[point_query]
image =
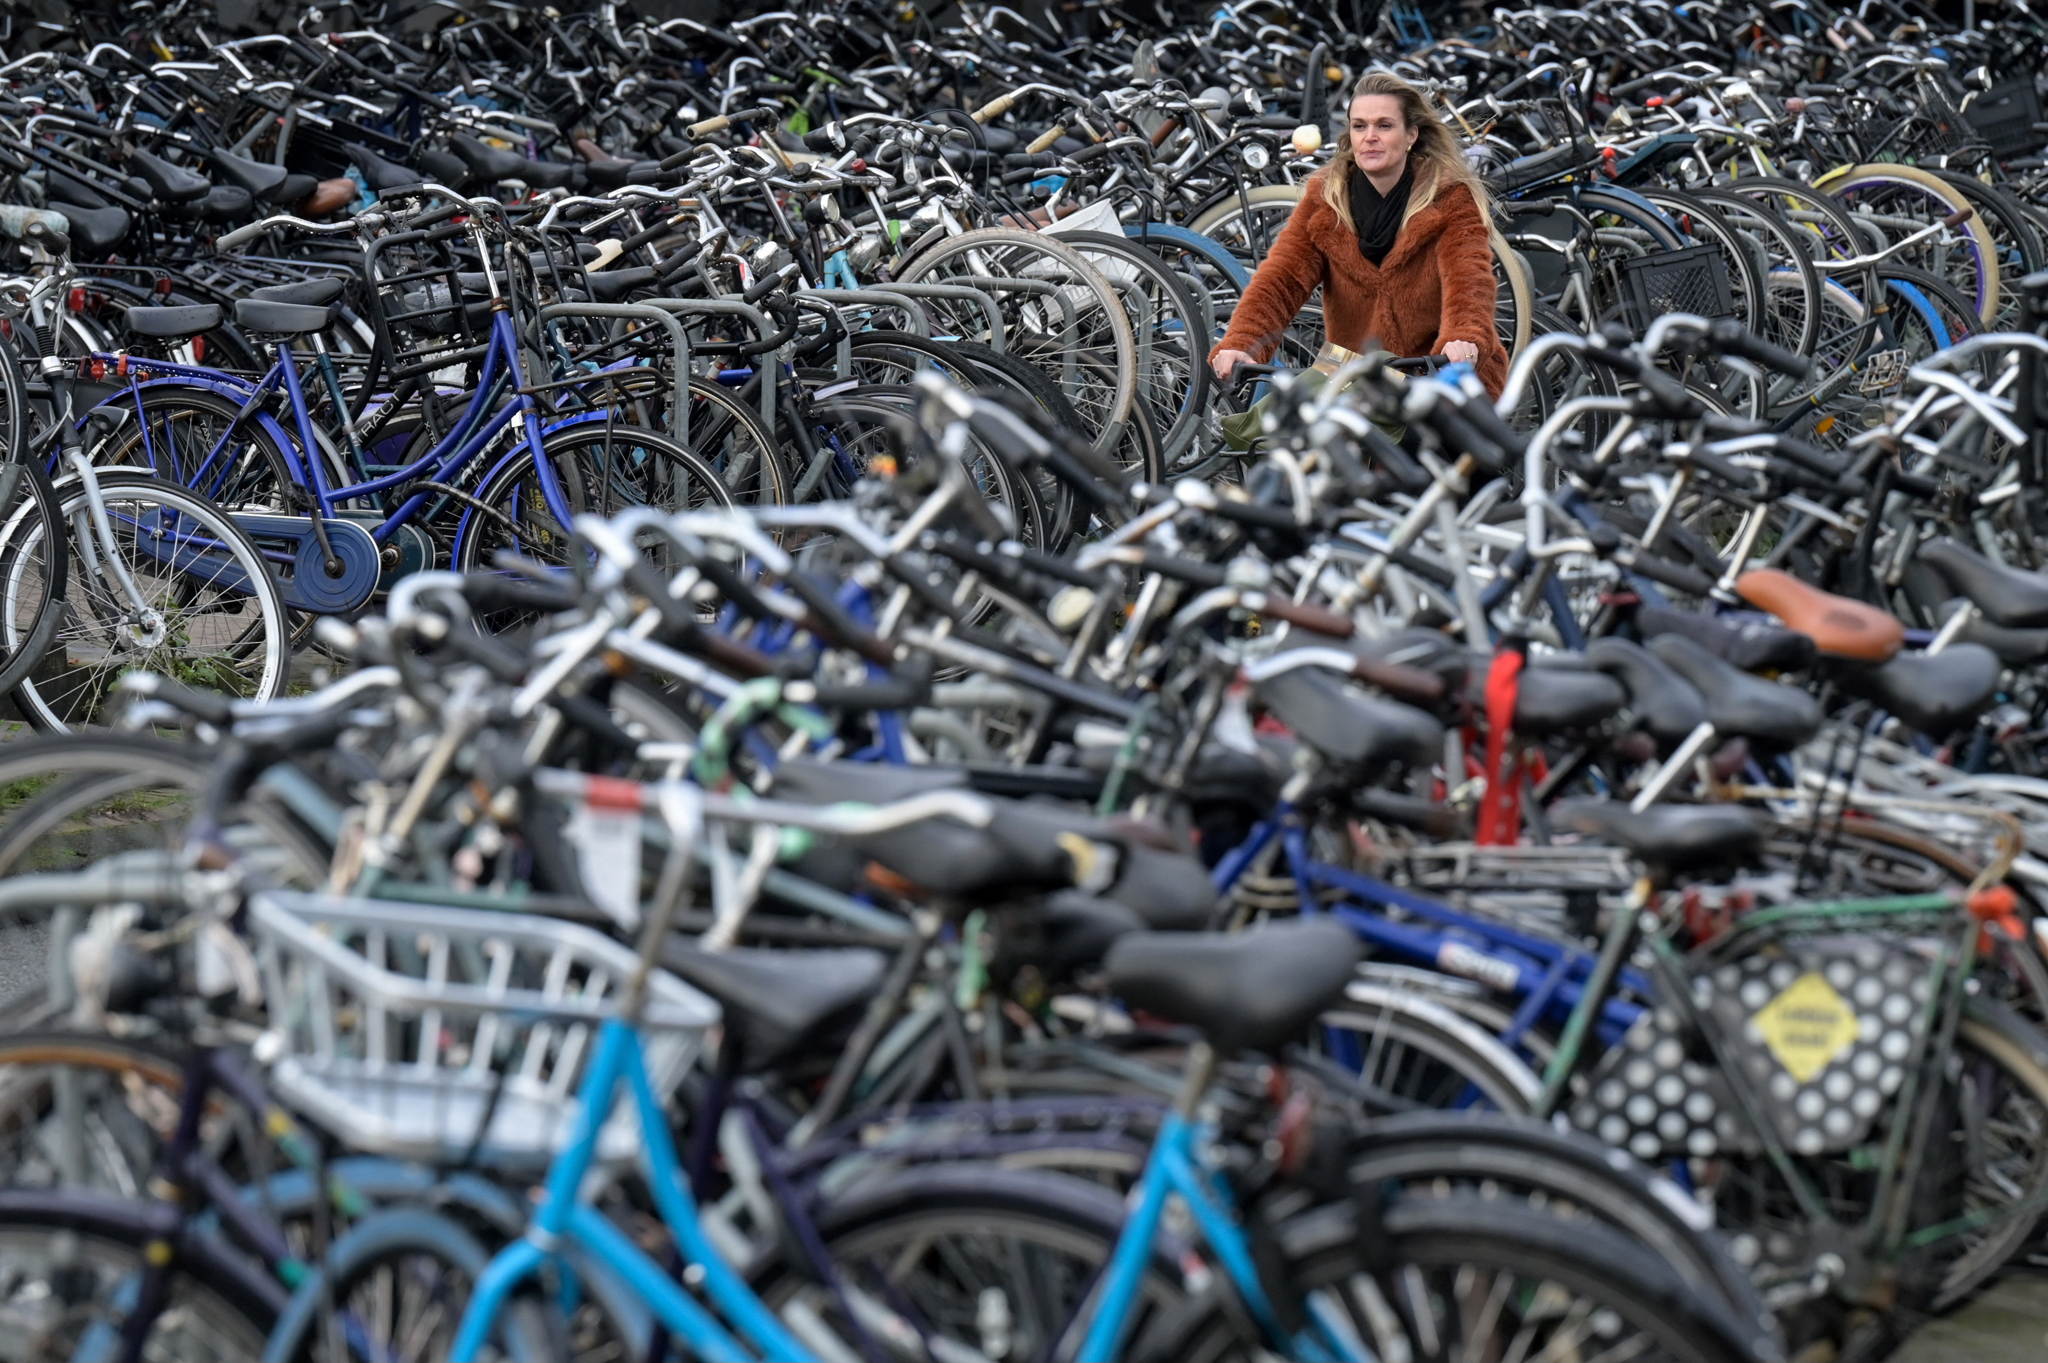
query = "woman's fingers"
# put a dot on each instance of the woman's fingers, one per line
(1461, 352)
(1226, 361)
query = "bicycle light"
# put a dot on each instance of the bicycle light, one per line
(1307, 140)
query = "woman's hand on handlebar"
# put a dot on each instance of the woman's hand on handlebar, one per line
(1224, 361)
(1461, 352)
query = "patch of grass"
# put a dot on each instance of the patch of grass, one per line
(16, 791)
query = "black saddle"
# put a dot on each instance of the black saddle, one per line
(609, 286)
(168, 183)
(2011, 597)
(171, 324)
(1936, 693)
(1664, 704)
(95, 230)
(380, 174)
(612, 174)
(1244, 991)
(265, 182)
(262, 179)
(1739, 705)
(1752, 645)
(220, 203)
(1560, 697)
(801, 778)
(1347, 726)
(1670, 838)
(281, 319)
(780, 1003)
(491, 164)
(306, 293)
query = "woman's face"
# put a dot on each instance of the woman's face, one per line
(1380, 137)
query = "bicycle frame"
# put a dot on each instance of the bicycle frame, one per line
(563, 1216)
(1547, 978)
(471, 436)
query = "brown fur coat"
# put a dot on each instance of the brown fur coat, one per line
(1434, 287)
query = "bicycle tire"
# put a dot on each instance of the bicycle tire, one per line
(241, 573)
(1424, 1244)
(1102, 413)
(1984, 294)
(26, 494)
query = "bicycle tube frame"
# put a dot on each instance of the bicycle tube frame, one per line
(563, 1215)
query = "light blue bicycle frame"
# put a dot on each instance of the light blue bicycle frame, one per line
(563, 1215)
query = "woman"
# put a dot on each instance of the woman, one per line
(1394, 230)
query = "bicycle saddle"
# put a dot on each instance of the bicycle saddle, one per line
(1838, 626)
(221, 203)
(1244, 991)
(1665, 705)
(1346, 725)
(305, 293)
(171, 324)
(1669, 838)
(778, 1005)
(2015, 647)
(260, 178)
(610, 174)
(1739, 705)
(95, 230)
(379, 174)
(1751, 645)
(267, 183)
(281, 319)
(1556, 697)
(491, 164)
(2011, 597)
(827, 783)
(170, 184)
(1936, 693)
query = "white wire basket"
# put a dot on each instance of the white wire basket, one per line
(430, 1033)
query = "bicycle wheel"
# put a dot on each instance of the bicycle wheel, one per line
(29, 619)
(1077, 330)
(1419, 1051)
(602, 469)
(68, 1264)
(967, 1253)
(169, 583)
(1900, 200)
(190, 437)
(395, 1285)
(1469, 1278)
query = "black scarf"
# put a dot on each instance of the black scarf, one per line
(1378, 216)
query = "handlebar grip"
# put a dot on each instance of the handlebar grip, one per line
(229, 240)
(1960, 216)
(1315, 619)
(1094, 152)
(494, 591)
(762, 287)
(1466, 438)
(1021, 177)
(646, 235)
(894, 692)
(1676, 576)
(1915, 485)
(1830, 466)
(1399, 680)
(1254, 514)
(995, 108)
(720, 122)
(1044, 140)
(1735, 339)
(829, 620)
(209, 706)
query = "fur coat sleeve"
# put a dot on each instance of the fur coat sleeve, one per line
(1435, 286)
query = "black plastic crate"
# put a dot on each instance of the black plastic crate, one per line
(2005, 115)
(1684, 279)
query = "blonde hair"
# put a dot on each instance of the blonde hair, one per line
(1440, 161)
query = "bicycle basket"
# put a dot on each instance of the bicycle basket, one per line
(2004, 117)
(423, 1032)
(1684, 279)
(1817, 1027)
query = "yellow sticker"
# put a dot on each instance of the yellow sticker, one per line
(1807, 1026)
